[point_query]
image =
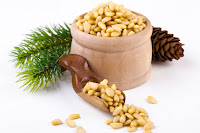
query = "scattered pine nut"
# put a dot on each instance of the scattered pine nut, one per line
(148, 126)
(116, 125)
(80, 129)
(147, 131)
(56, 122)
(151, 100)
(108, 122)
(70, 123)
(124, 115)
(131, 129)
(74, 116)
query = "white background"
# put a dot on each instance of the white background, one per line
(175, 85)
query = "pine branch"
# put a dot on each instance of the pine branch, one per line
(38, 56)
(39, 40)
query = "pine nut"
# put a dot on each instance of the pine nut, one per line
(117, 28)
(125, 22)
(116, 118)
(131, 25)
(115, 103)
(140, 20)
(111, 108)
(151, 99)
(134, 123)
(110, 92)
(121, 101)
(106, 35)
(87, 17)
(116, 98)
(78, 18)
(142, 114)
(110, 103)
(85, 90)
(131, 129)
(93, 85)
(119, 14)
(115, 34)
(111, 6)
(141, 122)
(98, 94)
(78, 24)
(121, 97)
(106, 19)
(74, 116)
(56, 122)
(97, 29)
(99, 34)
(118, 20)
(122, 119)
(131, 33)
(109, 14)
(86, 27)
(119, 104)
(146, 119)
(108, 122)
(104, 83)
(137, 116)
(121, 113)
(100, 11)
(131, 110)
(70, 123)
(127, 122)
(91, 92)
(103, 91)
(117, 111)
(102, 25)
(148, 126)
(129, 116)
(93, 33)
(80, 129)
(125, 108)
(81, 28)
(93, 27)
(147, 131)
(122, 26)
(116, 125)
(113, 87)
(142, 110)
(106, 98)
(118, 92)
(110, 30)
(96, 14)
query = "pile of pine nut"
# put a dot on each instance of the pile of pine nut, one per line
(124, 115)
(111, 20)
(111, 96)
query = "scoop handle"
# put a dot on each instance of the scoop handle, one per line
(78, 66)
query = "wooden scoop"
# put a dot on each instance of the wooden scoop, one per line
(81, 74)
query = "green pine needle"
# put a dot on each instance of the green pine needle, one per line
(38, 56)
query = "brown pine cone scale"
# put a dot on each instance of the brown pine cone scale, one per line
(165, 46)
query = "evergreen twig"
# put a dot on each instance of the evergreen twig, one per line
(38, 56)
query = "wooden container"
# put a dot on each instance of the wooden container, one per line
(124, 61)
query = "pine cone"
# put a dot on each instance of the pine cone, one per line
(165, 46)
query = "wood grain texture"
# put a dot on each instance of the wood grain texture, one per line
(81, 74)
(125, 61)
